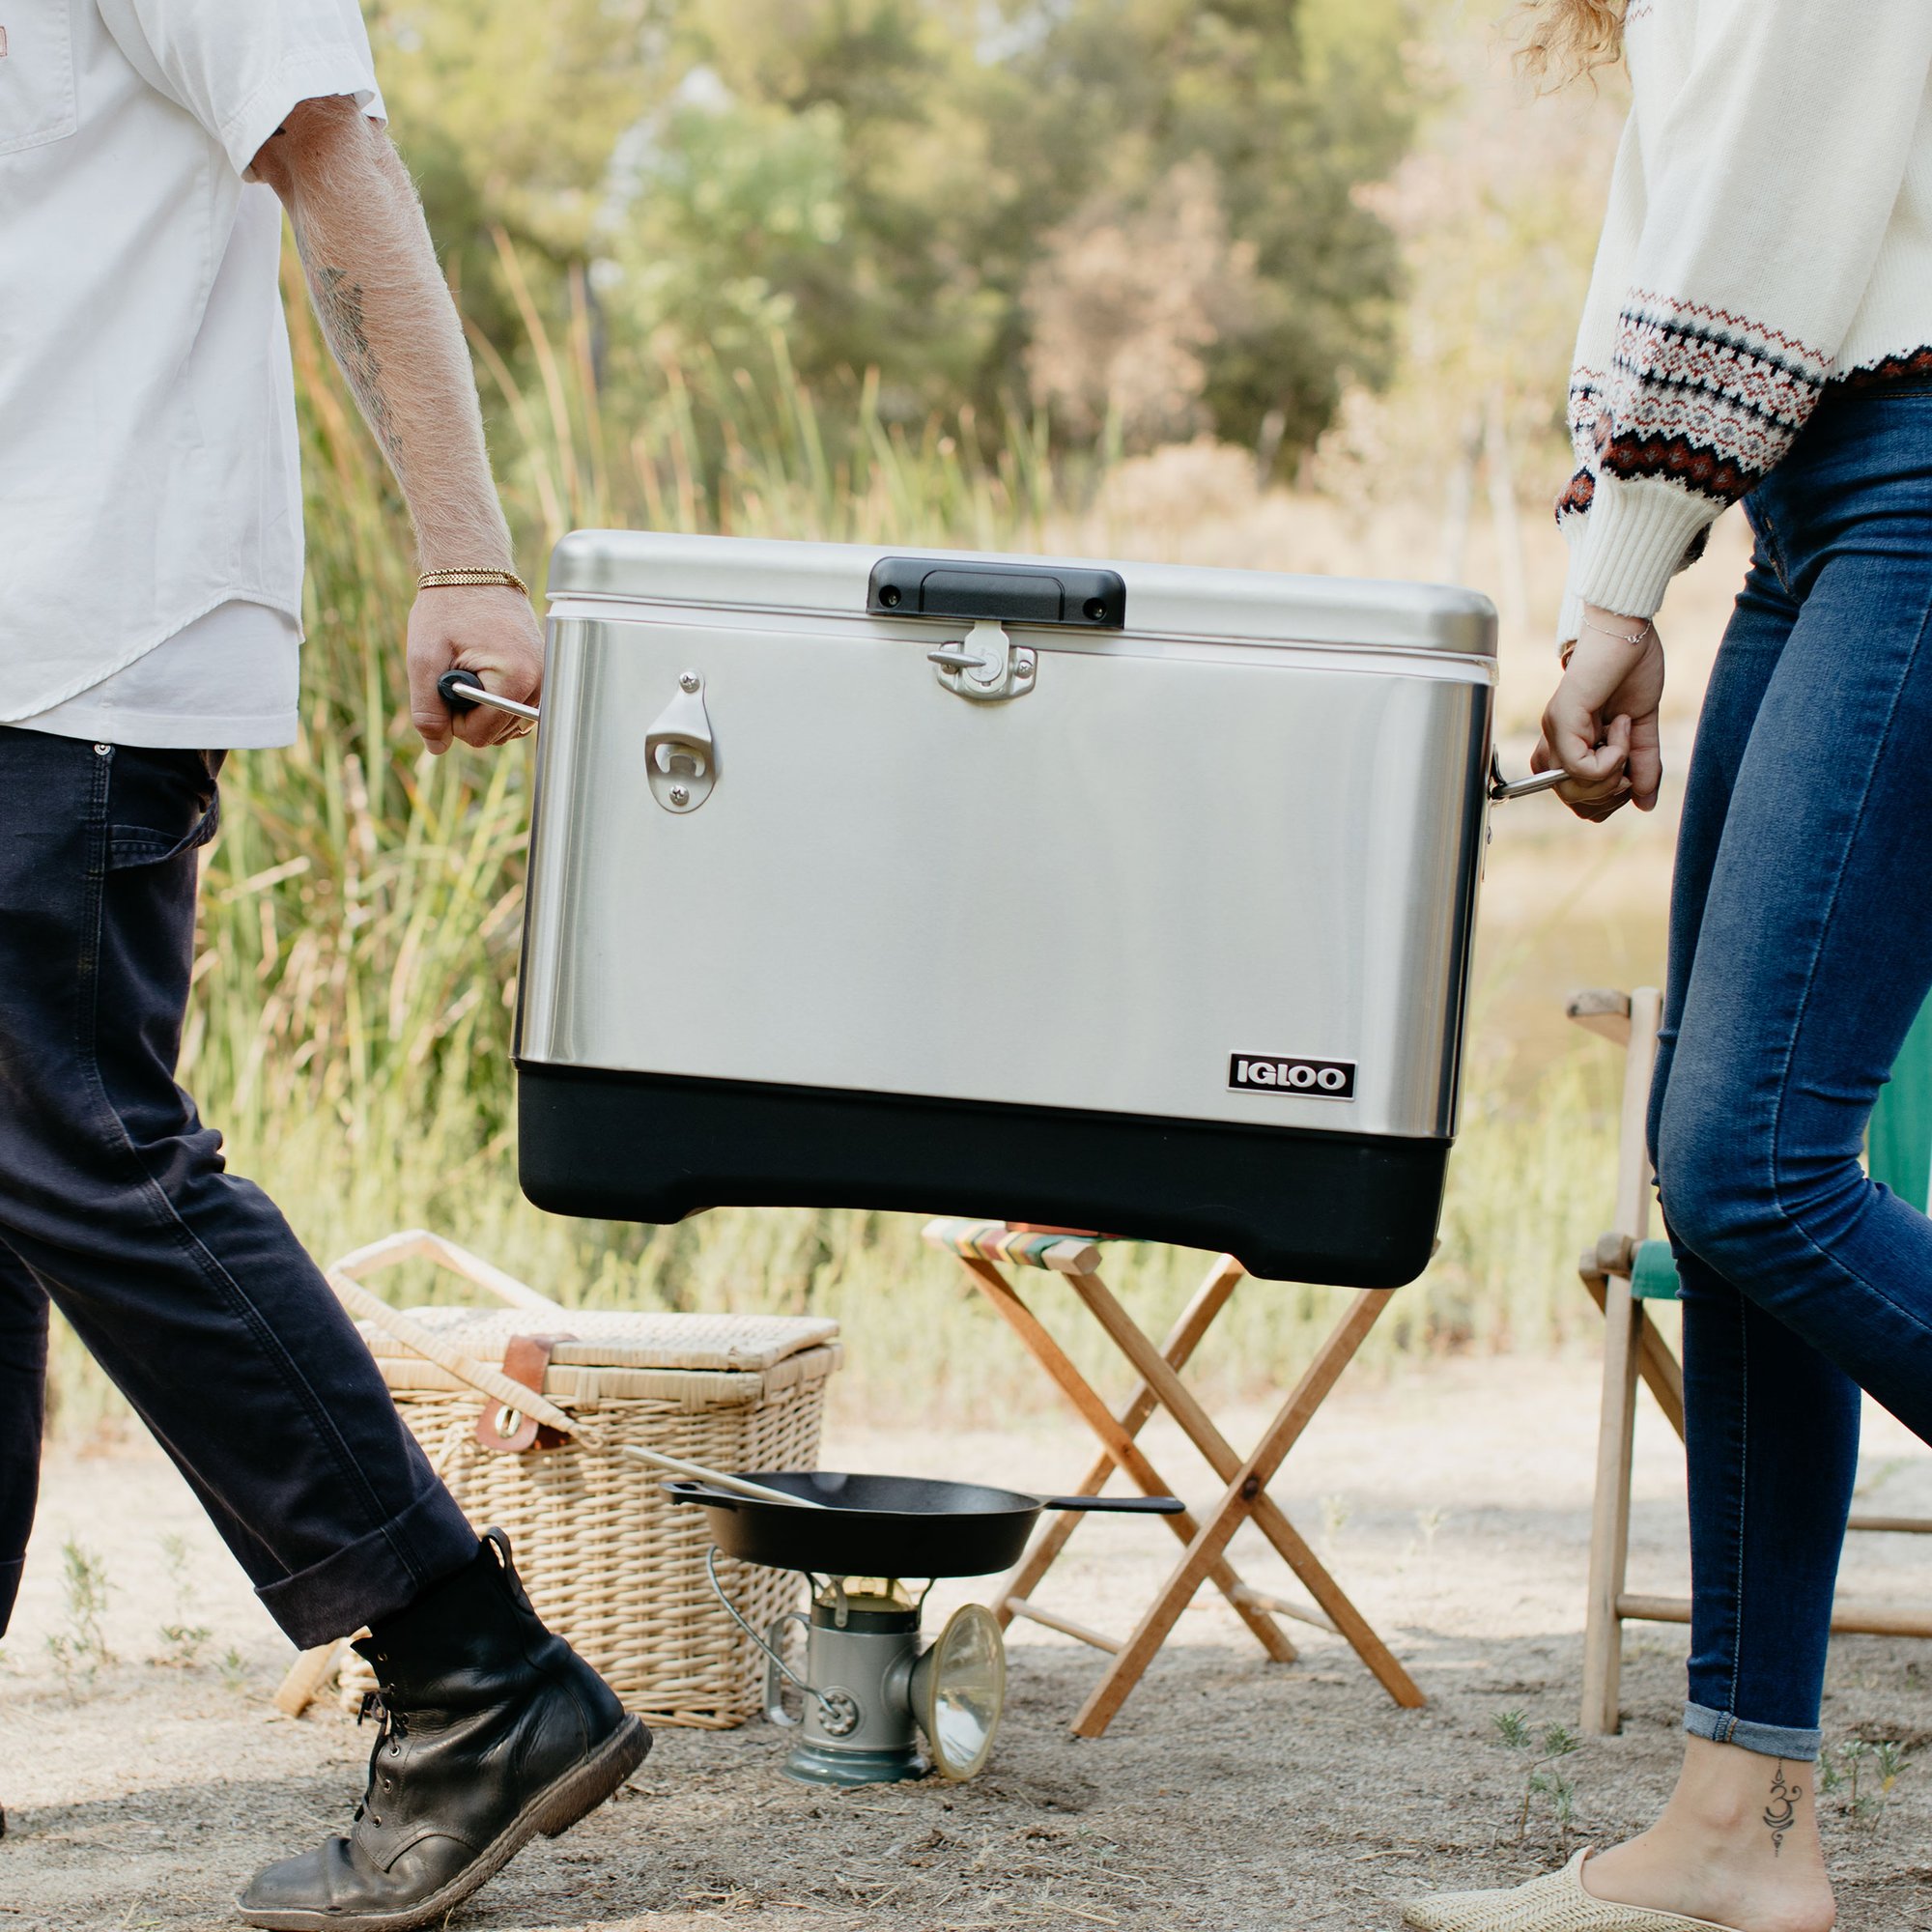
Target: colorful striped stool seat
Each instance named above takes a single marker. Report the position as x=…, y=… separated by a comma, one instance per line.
x=1054, y=1248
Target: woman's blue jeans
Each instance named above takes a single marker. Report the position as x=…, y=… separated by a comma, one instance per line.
x=1800, y=950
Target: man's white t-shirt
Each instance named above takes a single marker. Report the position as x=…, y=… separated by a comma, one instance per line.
x=149, y=494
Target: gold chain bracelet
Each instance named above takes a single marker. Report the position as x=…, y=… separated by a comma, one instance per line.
x=1622, y=637
x=451, y=579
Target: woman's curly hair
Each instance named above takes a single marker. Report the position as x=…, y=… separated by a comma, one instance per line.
x=1564, y=39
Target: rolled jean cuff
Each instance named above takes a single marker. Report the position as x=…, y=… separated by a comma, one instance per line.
x=376, y=1575
x=1722, y=1727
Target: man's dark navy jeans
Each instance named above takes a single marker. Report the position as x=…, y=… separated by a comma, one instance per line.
x=184, y=1281
x=1800, y=950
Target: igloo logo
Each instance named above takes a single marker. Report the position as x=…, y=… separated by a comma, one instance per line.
x=1309, y=1079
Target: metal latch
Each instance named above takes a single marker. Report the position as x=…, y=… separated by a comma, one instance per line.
x=680, y=760
x=986, y=666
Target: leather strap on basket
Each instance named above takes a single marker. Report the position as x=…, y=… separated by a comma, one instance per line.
x=485, y=1378
x=525, y=1361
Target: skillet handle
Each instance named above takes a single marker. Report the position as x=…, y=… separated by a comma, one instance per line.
x=1126, y=1505
x=685, y=1490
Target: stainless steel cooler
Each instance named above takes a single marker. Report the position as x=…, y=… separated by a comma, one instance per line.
x=1117, y=897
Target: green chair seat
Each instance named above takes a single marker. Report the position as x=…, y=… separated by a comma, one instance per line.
x=1898, y=1152
x=1899, y=1149
x=1654, y=1276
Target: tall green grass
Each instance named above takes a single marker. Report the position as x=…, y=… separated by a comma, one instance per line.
x=360, y=920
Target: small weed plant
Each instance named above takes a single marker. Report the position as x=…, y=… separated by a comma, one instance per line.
x=79, y=1649
x=1860, y=1773
x=181, y=1641
x=1334, y=1519
x=1427, y=1526
x=1541, y=1777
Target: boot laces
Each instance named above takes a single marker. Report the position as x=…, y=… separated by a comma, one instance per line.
x=392, y=1728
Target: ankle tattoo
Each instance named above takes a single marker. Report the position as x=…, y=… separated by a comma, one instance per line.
x=1783, y=1811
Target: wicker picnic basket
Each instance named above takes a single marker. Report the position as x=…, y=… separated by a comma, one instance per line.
x=610, y=1562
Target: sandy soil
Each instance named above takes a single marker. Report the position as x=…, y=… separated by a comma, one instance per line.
x=1229, y=1793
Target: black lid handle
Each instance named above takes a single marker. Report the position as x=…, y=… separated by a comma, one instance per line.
x=1008, y=593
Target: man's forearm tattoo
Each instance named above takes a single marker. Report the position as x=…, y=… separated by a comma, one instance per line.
x=1782, y=1811
x=340, y=302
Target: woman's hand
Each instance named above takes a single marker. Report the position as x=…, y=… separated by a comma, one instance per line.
x=1601, y=725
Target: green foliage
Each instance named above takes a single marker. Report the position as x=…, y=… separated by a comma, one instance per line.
x=1292, y=110
x=1147, y=215
x=746, y=211
x=508, y=115
x=834, y=155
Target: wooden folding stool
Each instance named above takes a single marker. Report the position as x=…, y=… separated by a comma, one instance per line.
x=983, y=1247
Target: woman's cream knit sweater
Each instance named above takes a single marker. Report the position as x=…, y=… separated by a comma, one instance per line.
x=1769, y=235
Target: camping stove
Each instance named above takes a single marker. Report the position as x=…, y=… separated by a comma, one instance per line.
x=870, y=1688
x=870, y=1685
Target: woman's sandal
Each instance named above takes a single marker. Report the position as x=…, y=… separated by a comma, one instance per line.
x=1554, y=1903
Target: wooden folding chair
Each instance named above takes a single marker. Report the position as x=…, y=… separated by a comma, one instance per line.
x=983, y=1247
x=1628, y=1270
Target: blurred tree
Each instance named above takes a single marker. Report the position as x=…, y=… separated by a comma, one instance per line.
x=1128, y=304
x=1497, y=208
x=1289, y=111
x=508, y=115
x=815, y=171
x=1147, y=214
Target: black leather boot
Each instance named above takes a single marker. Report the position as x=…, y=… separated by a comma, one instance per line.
x=493, y=1730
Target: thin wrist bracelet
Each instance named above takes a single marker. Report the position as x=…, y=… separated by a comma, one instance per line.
x=1622, y=637
x=450, y=580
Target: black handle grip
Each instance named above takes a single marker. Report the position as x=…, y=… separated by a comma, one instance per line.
x=684, y=1490
x=1010, y=593
x=1126, y=1505
x=450, y=686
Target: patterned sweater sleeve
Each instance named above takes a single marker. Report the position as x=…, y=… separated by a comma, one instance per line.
x=1749, y=204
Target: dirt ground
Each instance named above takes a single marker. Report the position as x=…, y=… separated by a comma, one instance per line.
x=1230, y=1794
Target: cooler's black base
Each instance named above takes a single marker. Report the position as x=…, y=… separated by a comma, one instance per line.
x=1355, y=1209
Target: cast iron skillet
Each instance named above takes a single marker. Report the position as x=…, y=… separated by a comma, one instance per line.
x=885, y=1526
